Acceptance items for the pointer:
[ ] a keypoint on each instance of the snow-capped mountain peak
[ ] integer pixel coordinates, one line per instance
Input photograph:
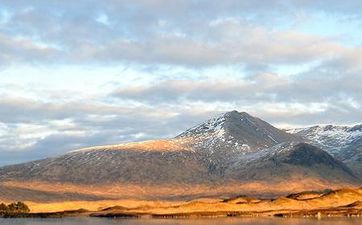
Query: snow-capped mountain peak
(333, 137)
(232, 147)
(237, 131)
(217, 124)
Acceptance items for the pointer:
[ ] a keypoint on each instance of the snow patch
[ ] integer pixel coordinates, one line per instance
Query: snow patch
(331, 137)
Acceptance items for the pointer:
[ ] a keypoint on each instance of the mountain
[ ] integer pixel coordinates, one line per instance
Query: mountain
(238, 132)
(229, 154)
(288, 161)
(343, 142)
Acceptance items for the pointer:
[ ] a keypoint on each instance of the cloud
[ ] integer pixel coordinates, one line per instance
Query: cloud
(31, 129)
(160, 32)
(271, 58)
(244, 46)
(23, 50)
(320, 84)
(34, 129)
(326, 93)
(178, 91)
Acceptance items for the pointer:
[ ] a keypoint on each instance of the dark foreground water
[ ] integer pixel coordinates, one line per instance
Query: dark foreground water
(227, 221)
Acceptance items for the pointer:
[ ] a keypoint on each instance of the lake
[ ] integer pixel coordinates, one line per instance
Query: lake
(227, 221)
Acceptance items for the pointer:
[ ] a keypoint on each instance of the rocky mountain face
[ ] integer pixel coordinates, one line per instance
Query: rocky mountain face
(291, 160)
(343, 142)
(232, 148)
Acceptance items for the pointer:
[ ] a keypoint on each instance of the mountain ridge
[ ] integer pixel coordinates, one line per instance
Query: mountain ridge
(211, 154)
(343, 142)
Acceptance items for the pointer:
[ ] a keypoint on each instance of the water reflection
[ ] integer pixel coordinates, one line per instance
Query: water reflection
(227, 221)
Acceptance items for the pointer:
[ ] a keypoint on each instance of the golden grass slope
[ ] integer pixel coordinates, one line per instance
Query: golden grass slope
(59, 192)
(351, 198)
(162, 145)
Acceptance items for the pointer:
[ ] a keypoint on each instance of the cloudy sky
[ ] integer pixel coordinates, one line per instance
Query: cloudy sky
(81, 73)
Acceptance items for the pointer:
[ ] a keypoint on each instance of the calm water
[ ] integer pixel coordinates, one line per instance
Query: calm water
(227, 221)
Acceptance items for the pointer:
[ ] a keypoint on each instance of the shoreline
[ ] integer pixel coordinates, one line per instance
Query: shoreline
(315, 213)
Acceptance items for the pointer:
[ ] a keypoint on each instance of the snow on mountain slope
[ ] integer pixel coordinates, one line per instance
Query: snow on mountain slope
(333, 138)
(238, 132)
(343, 142)
(232, 148)
(289, 161)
